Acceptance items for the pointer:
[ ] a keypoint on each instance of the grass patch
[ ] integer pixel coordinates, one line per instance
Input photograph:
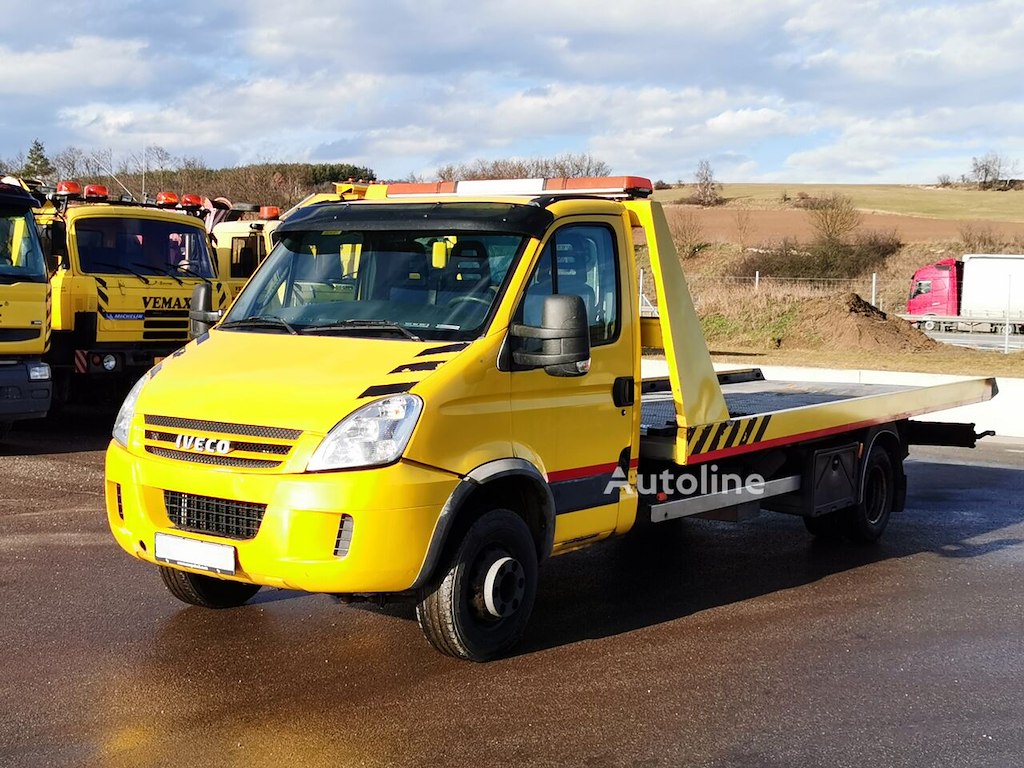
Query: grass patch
(955, 204)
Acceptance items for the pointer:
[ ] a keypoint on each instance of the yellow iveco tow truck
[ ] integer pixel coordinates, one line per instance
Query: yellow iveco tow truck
(427, 392)
(123, 282)
(25, 386)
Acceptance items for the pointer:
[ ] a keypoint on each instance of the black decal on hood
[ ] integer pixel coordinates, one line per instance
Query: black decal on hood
(445, 349)
(388, 389)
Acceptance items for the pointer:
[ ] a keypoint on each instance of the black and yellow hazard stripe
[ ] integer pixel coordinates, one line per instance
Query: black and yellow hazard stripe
(726, 435)
(103, 299)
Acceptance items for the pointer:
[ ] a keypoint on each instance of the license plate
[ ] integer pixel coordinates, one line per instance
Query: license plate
(192, 553)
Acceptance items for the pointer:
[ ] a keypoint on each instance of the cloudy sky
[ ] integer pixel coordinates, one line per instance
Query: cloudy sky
(779, 90)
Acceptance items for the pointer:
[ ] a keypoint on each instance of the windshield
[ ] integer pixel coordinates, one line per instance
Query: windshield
(21, 257)
(116, 245)
(414, 284)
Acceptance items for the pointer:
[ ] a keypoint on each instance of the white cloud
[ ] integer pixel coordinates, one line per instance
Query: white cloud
(86, 63)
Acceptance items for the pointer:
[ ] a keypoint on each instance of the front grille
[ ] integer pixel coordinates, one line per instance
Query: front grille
(212, 459)
(199, 425)
(274, 449)
(214, 443)
(206, 514)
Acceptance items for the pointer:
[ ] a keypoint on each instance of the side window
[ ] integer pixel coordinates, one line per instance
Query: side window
(922, 287)
(581, 260)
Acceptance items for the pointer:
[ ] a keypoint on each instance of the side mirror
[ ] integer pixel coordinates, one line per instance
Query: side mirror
(200, 314)
(55, 249)
(564, 335)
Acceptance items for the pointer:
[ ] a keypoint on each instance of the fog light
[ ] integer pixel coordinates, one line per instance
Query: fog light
(109, 362)
(38, 372)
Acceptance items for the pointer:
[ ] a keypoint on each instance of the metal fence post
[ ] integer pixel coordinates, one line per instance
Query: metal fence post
(757, 280)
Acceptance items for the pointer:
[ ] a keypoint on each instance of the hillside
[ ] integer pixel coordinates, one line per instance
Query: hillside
(822, 320)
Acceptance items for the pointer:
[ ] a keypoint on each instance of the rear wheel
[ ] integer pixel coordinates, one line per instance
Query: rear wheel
(478, 605)
(866, 521)
(206, 591)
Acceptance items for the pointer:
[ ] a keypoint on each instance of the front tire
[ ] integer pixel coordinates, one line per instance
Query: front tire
(206, 591)
(478, 605)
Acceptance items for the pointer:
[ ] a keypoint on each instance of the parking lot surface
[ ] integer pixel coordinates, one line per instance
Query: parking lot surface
(698, 643)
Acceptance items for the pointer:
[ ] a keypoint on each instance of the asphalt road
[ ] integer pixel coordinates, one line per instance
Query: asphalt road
(989, 341)
(701, 644)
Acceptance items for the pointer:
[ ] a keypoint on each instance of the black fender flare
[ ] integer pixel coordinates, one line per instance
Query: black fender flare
(498, 469)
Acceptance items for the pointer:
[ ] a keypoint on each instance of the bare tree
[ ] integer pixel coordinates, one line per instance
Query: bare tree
(707, 191)
(743, 223)
(835, 218)
(566, 165)
(991, 169)
(687, 232)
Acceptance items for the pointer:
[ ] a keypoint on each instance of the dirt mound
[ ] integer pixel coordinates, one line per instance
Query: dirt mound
(846, 322)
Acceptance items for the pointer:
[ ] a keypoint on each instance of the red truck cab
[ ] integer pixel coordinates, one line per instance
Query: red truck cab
(935, 289)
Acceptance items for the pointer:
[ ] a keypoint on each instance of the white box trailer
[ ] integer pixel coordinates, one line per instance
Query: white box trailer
(993, 286)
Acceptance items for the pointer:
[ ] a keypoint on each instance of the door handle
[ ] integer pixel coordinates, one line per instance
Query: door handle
(622, 391)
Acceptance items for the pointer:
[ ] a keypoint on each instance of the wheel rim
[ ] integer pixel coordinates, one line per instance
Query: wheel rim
(504, 587)
(876, 496)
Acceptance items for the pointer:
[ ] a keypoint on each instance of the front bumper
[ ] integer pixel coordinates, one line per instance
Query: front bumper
(393, 512)
(20, 396)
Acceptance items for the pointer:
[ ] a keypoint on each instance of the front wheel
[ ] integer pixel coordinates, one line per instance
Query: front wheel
(477, 606)
(206, 591)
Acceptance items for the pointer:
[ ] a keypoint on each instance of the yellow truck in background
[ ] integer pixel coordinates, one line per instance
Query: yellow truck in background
(243, 233)
(425, 393)
(123, 277)
(25, 382)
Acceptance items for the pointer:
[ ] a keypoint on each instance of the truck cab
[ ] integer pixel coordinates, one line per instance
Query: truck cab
(935, 289)
(25, 382)
(123, 277)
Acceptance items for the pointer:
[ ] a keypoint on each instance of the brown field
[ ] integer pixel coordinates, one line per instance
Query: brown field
(764, 226)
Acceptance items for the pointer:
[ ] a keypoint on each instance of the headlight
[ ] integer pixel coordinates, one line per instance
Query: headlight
(123, 422)
(38, 372)
(375, 434)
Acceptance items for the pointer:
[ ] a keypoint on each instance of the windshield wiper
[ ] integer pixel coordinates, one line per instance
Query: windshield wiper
(158, 270)
(190, 271)
(363, 325)
(123, 268)
(260, 321)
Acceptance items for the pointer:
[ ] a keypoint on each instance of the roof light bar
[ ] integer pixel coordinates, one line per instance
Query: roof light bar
(270, 212)
(69, 189)
(191, 202)
(96, 192)
(603, 186)
(166, 199)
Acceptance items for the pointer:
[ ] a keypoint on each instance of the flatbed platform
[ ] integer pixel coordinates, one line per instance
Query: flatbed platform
(753, 398)
(765, 414)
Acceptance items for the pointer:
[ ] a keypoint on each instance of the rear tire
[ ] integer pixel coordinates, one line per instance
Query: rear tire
(478, 604)
(206, 591)
(866, 521)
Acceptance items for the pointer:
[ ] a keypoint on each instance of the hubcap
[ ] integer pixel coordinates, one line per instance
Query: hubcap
(504, 587)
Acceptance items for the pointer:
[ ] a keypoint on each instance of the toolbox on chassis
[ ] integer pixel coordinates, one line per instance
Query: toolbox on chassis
(427, 392)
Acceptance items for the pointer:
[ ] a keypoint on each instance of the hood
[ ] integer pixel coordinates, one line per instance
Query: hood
(279, 380)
